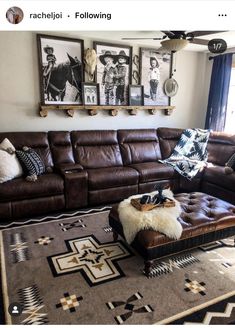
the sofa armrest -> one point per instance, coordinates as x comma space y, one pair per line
75, 184
76, 189
68, 168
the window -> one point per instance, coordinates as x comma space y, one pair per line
230, 117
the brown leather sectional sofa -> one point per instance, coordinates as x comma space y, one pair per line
103, 166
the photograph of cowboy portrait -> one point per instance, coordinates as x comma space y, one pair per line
61, 70
90, 93
113, 72
154, 71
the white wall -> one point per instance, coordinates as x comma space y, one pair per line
19, 92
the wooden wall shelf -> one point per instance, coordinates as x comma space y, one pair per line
113, 110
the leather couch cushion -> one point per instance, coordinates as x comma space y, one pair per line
220, 147
46, 185
36, 140
218, 191
154, 171
61, 147
216, 175
111, 195
110, 177
150, 186
137, 135
168, 139
139, 146
96, 149
37, 206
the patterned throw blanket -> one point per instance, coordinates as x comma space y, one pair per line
190, 154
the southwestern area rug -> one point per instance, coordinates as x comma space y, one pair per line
70, 271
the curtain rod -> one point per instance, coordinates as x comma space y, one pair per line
226, 53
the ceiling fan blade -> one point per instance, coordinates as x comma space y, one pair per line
168, 33
199, 41
141, 38
202, 33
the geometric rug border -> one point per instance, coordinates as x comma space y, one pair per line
52, 217
8, 318
81, 270
179, 318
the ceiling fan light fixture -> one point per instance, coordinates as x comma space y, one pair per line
174, 45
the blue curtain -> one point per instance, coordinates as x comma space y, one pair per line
218, 94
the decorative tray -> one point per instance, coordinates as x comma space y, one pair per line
148, 207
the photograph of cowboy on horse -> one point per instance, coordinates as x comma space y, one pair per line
51, 59
61, 70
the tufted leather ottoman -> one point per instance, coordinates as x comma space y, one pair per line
204, 219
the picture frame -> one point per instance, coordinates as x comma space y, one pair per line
136, 95
90, 92
113, 72
61, 70
155, 67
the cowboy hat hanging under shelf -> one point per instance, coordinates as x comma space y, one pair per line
171, 87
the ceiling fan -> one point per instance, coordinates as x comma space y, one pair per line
177, 40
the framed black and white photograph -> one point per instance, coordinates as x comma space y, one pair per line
90, 93
60, 69
154, 71
136, 95
113, 72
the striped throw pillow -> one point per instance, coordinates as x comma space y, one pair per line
31, 162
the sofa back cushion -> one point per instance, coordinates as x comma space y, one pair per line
168, 139
35, 140
220, 147
61, 147
96, 148
139, 146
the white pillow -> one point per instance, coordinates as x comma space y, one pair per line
6, 144
10, 167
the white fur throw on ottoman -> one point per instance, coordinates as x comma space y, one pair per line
161, 219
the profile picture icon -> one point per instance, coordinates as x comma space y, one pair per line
14, 15
15, 309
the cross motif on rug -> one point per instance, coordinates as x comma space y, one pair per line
195, 287
69, 302
97, 262
43, 240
